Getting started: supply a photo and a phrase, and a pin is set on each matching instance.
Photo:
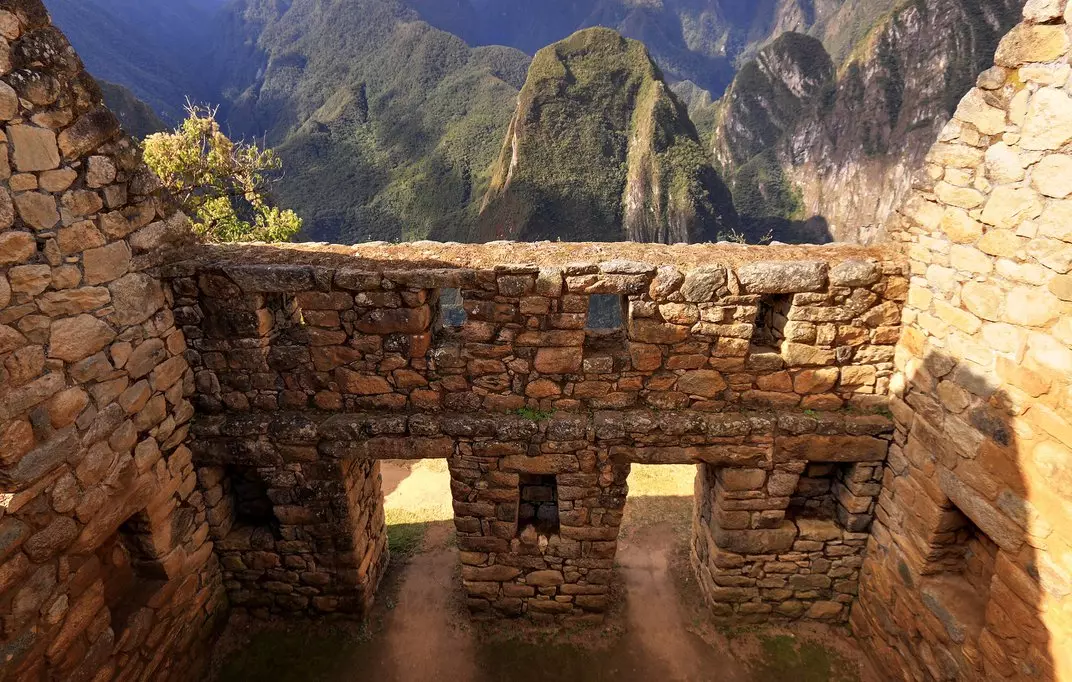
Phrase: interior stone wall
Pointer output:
(106, 569)
(327, 358)
(968, 574)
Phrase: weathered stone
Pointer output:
(990, 520)
(653, 331)
(855, 273)
(106, 263)
(1010, 206)
(962, 197)
(817, 448)
(782, 277)
(1042, 11)
(544, 578)
(976, 110)
(34, 148)
(145, 357)
(29, 279)
(815, 380)
(558, 360)
(765, 541)
(16, 247)
(699, 285)
(135, 297)
(705, 383)
(100, 171)
(1049, 120)
(74, 338)
(361, 384)
(51, 540)
(1003, 164)
(1052, 176)
(88, 132)
(1055, 221)
(1029, 43)
(37, 210)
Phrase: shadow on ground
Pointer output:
(659, 629)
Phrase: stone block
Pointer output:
(705, 383)
(764, 541)
(74, 338)
(35, 149)
(821, 448)
(558, 360)
(38, 210)
(782, 277)
(1029, 43)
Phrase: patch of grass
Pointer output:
(292, 655)
(403, 539)
(532, 414)
(787, 658)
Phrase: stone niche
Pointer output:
(311, 367)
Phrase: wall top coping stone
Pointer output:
(626, 258)
(311, 426)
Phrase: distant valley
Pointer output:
(393, 116)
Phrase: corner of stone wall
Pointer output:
(105, 566)
(969, 569)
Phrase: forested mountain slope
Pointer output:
(387, 126)
(600, 147)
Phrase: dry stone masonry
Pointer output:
(106, 567)
(331, 358)
(882, 436)
(968, 574)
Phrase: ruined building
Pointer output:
(883, 434)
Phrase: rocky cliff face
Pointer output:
(601, 145)
(835, 154)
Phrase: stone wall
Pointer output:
(918, 458)
(969, 570)
(771, 374)
(106, 571)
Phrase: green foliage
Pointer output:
(760, 189)
(219, 183)
(737, 237)
(534, 415)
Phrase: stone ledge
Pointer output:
(286, 267)
(641, 436)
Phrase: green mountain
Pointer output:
(600, 144)
(386, 126)
(809, 149)
(389, 114)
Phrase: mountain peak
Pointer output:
(600, 143)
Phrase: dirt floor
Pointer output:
(421, 632)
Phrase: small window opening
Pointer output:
(252, 506)
(769, 331)
(605, 312)
(843, 493)
(814, 496)
(539, 504)
(131, 570)
(451, 310)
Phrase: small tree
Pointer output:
(221, 184)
